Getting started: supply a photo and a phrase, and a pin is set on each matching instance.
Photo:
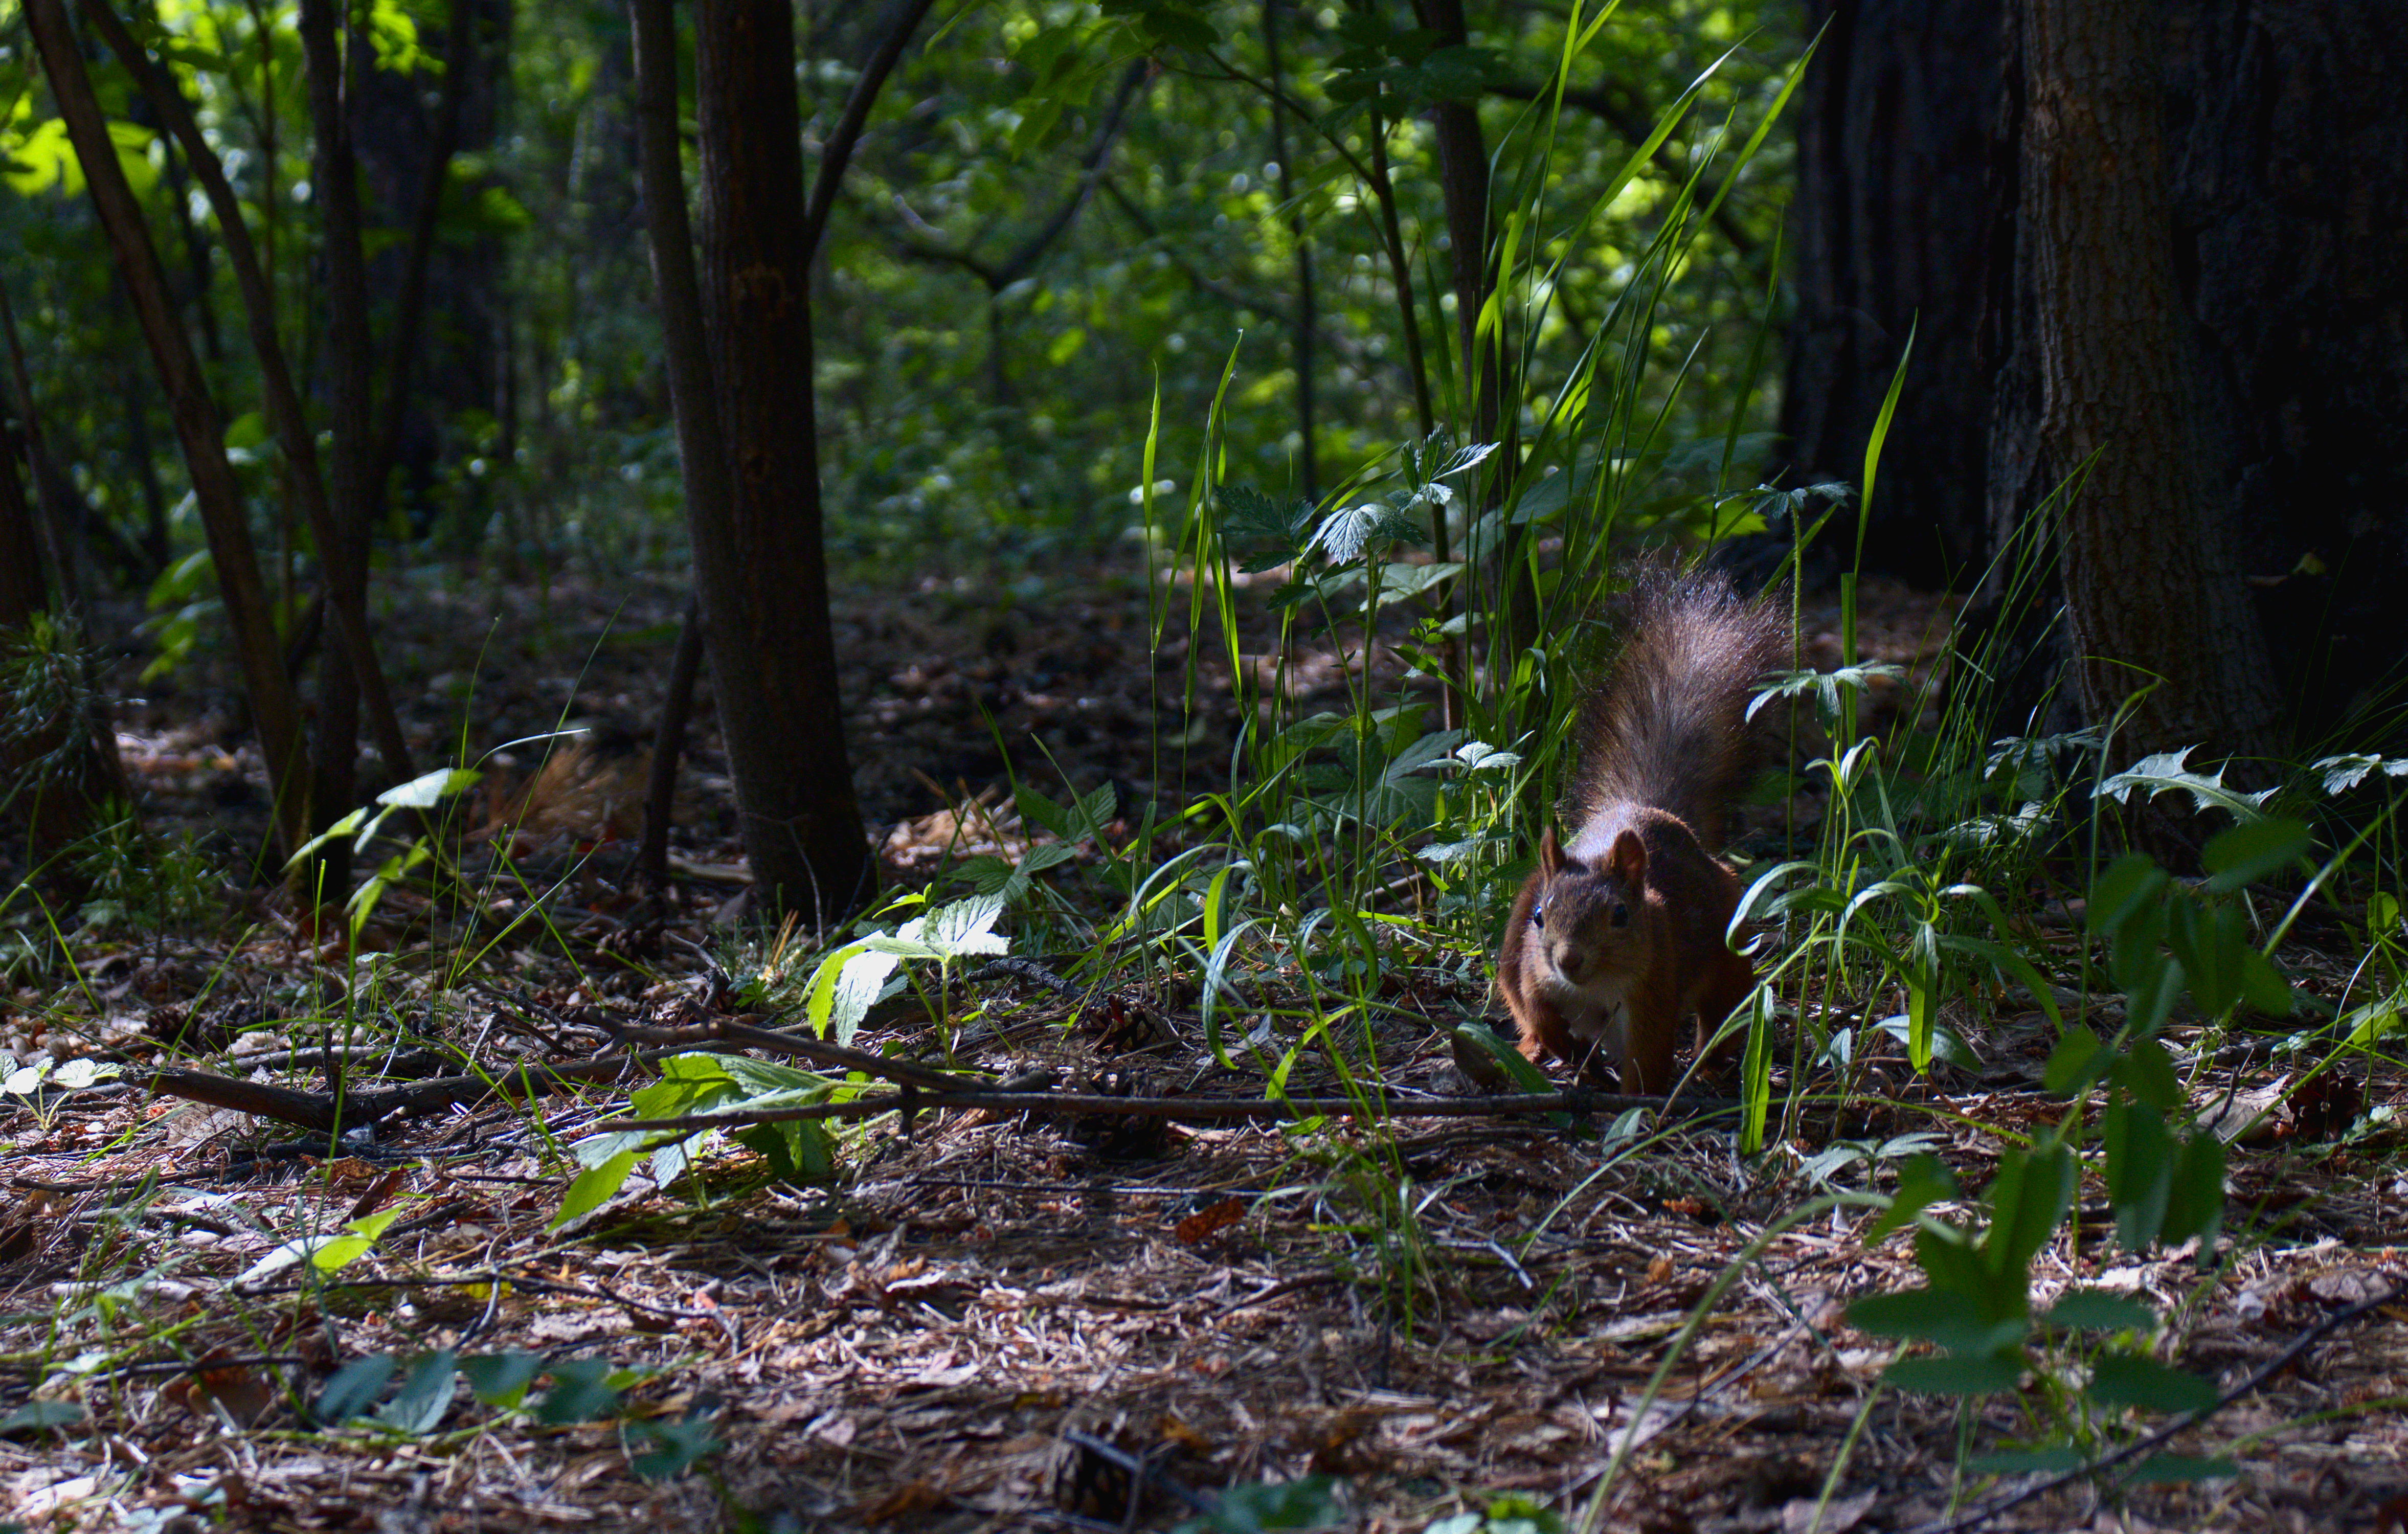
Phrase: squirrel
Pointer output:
(1619, 932)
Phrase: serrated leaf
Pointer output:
(1344, 534)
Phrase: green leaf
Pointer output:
(2195, 1199)
(1345, 534)
(2096, 1309)
(2075, 1064)
(2025, 1462)
(336, 1251)
(42, 1417)
(425, 1396)
(1982, 1375)
(2140, 1170)
(2248, 853)
(1261, 533)
(2148, 1073)
(2127, 1380)
(583, 1390)
(352, 1389)
(429, 789)
(2263, 987)
(1924, 1181)
(1939, 1316)
(501, 1379)
(2169, 772)
(2124, 886)
(2027, 1201)
(593, 1187)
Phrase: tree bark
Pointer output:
(334, 182)
(2155, 602)
(1890, 232)
(702, 448)
(274, 712)
(291, 424)
(761, 568)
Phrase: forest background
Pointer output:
(1232, 418)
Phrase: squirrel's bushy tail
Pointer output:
(1668, 727)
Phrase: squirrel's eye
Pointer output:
(1621, 916)
(1539, 915)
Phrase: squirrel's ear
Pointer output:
(1629, 859)
(1551, 853)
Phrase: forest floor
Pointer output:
(1011, 1320)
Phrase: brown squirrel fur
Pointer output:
(1619, 932)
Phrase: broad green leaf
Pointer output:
(2140, 1169)
(425, 1396)
(2195, 1200)
(2246, 854)
(501, 1379)
(1956, 1376)
(2075, 1064)
(2096, 1309)
(2025, 1462)
(2148, 1073)
(2125, 1380)
(1924, 1181)
(362, 1234)
(429, 789)
(593, 1187)
(352, 1389)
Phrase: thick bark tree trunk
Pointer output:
(762, 574)
(1890, 232)
(2155, 602)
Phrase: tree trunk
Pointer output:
(2287, 130)
(293, 429)
(1890, 232)
(335, 195)
(2155, 607)
(761, 572)
(450, 353)
(198, 427)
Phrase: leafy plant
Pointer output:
(2164, 1184)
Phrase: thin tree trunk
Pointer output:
(2155, 606)
(274, 712)
(335, 193)
(1463, 184)
(669, 744)
(409, 310)
(761, 574)
(284, 411)
(702, 449)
